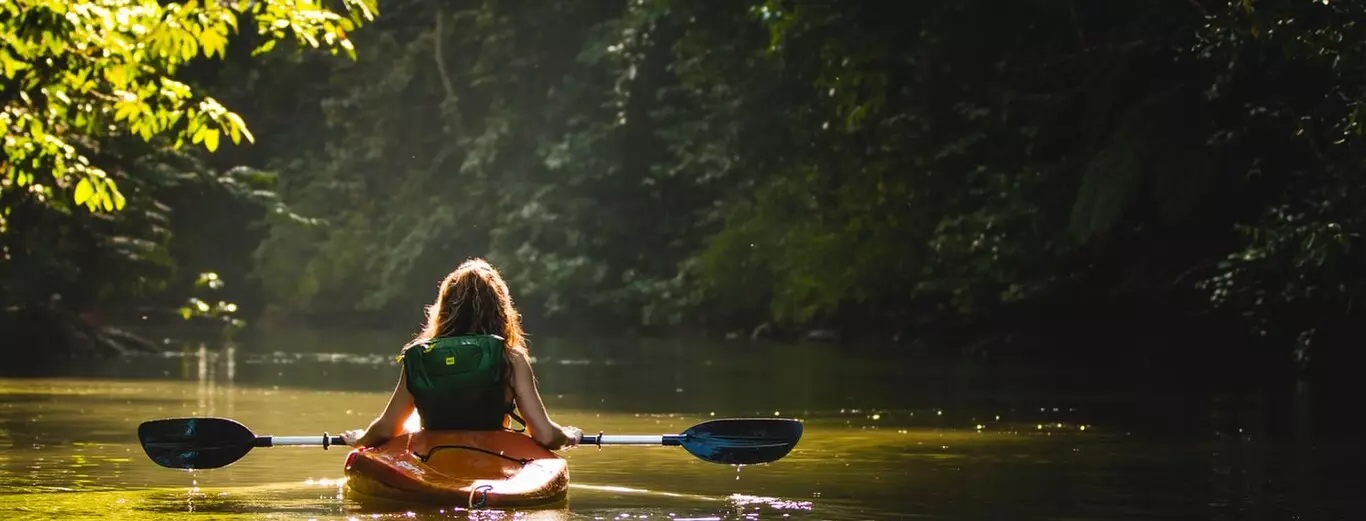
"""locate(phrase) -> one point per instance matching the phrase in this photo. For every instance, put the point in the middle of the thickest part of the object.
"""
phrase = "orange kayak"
(472, 469)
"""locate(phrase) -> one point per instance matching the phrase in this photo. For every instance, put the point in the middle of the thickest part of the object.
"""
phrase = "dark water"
(887, 437)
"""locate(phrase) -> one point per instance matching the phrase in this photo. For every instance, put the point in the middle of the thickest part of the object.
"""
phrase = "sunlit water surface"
(884, 439)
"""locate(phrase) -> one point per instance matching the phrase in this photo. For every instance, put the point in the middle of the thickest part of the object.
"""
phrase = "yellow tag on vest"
(450, 360)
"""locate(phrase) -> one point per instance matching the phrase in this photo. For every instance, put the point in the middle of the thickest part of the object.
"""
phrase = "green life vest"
(457, 382)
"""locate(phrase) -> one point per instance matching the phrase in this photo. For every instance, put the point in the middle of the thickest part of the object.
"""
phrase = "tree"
(96, 115)
(80, 71)
(951, 167)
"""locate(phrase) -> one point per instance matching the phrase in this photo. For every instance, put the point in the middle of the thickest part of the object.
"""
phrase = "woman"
(468, 369)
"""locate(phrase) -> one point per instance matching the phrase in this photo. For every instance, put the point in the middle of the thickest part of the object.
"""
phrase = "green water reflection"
(885, 439)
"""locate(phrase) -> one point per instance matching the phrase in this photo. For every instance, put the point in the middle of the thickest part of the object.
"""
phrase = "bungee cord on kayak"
(432, 451)
(483, 491)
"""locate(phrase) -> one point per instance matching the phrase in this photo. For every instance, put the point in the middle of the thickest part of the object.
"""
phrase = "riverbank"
(1193, 360)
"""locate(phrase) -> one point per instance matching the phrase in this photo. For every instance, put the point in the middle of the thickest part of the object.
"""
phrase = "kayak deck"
(473, 469)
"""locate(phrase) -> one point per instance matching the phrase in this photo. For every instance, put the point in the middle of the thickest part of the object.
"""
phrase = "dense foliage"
(873, 167)
(96, 109)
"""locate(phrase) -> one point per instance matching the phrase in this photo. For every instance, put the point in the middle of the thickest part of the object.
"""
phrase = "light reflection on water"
(326, 501)
(878, 444)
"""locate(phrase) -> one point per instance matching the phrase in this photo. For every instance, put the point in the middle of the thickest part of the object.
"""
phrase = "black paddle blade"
(195, 443)
(742, 441)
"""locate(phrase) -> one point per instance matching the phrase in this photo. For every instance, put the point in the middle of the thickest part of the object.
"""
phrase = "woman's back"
(460, 382)
(468, 368)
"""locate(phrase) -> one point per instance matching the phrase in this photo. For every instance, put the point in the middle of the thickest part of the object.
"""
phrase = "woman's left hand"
(353, 437)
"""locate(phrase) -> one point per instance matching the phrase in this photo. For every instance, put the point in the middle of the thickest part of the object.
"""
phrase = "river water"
(886, 437)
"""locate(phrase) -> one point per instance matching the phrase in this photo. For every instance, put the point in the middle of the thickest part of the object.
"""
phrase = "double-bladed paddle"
(734, 441)
(209, 443)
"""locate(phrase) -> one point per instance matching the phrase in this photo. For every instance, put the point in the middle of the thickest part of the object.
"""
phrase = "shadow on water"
(888, 437)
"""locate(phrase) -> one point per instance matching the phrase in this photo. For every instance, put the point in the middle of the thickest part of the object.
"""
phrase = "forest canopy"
(98, 108)
(879, 168)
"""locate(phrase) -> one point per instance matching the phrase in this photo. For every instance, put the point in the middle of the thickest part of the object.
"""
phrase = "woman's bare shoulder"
(518, 356)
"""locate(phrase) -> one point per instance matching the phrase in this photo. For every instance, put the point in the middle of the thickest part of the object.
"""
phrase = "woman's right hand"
(573, 435)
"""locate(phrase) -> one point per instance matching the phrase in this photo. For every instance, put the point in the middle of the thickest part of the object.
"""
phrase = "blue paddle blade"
(195, 443)
(742, 441)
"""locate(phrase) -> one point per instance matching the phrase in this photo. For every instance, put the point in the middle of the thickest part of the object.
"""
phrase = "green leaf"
(84, 190)
(187, 49)
(124, 111)
(211, 139)
(214, 43)
(119, 200)
(264, 48)
(237, 123)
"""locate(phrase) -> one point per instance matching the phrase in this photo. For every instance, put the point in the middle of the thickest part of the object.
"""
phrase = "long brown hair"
(473, 300)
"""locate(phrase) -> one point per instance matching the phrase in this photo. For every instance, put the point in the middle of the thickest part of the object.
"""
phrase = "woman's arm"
(389, 423)
(528, 399)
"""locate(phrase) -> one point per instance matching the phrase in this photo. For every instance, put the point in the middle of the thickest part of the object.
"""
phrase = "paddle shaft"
(282, 441)
(667, 440)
